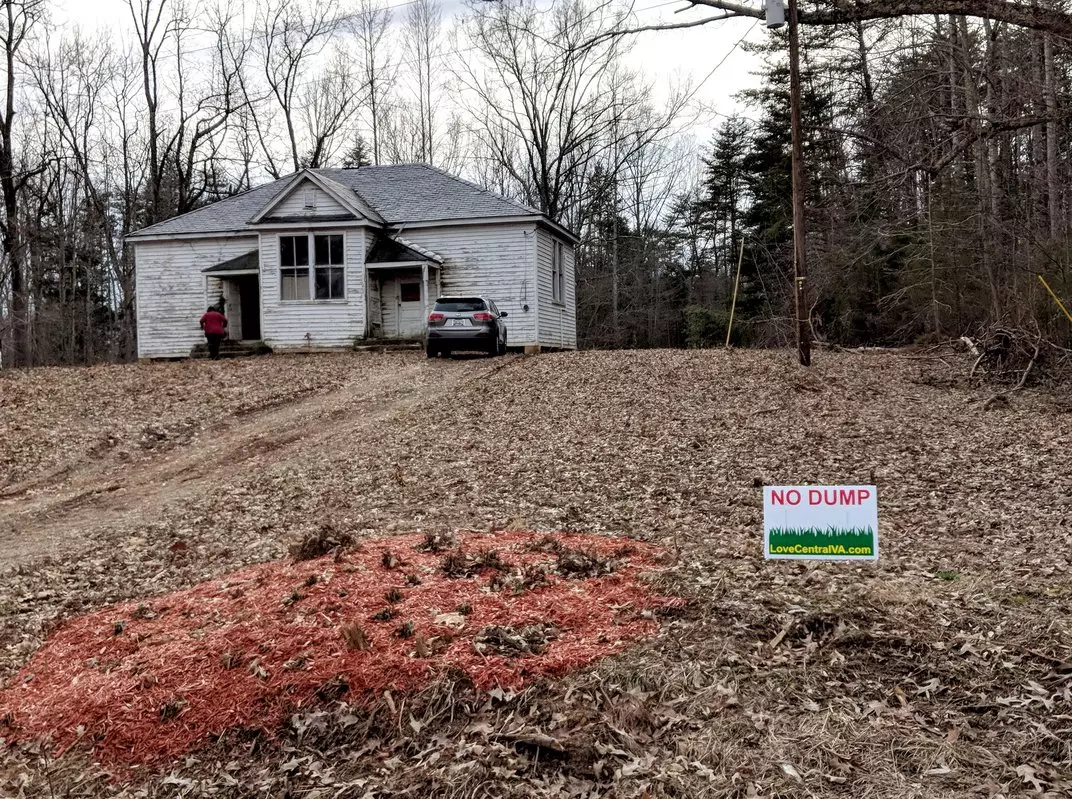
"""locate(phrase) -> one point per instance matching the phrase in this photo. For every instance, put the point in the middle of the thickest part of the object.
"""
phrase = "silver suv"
(465, 323)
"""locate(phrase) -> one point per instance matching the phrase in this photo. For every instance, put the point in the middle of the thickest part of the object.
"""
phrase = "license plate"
(460, 323)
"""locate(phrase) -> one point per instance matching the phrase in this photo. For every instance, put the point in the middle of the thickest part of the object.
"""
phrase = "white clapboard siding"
(313, 323)
(294, 204)
(171, 290)
(495, 261)
(558, 320)
(213, 289)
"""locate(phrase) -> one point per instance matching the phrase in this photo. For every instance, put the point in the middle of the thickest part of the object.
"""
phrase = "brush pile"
(1010, 356)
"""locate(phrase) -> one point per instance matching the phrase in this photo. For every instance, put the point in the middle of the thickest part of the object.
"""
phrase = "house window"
(330, 282)
(558, 272)
(322, 279)
(294, 267)
(410, 292)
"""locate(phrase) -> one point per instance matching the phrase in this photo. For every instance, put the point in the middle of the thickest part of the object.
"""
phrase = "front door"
(410, 309)
(249, 298)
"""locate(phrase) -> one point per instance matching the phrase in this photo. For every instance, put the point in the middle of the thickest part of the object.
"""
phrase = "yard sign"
(820, 522)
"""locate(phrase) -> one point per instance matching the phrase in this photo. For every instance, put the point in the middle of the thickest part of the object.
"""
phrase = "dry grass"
(944, 670)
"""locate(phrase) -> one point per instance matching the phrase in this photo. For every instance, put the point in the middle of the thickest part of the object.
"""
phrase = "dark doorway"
(249, 297)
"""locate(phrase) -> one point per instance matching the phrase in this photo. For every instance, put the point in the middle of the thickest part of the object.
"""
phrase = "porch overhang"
(247, 264)
(396, 251)
(388, 265)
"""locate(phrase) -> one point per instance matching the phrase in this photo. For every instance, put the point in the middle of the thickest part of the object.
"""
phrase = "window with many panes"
(558, 272)
(311, 266)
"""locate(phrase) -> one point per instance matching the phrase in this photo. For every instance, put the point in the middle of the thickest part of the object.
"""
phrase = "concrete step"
(233, 349)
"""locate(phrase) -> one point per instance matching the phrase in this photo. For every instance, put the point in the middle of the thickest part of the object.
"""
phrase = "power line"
(725, 58)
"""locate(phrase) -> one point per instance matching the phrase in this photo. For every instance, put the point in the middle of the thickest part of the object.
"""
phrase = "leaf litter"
(885, 680)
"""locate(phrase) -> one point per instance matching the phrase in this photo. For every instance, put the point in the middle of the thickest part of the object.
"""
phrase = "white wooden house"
(327, 257)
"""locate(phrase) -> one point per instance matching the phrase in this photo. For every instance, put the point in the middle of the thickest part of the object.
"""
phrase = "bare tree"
(1021, 13)
(19, 20)
(369, 24)
(126, 173)
(400, 132)
(73, 78)
(423, 24)
(292, 34)
(330, 102)
(554, 99)
(187, 117)
(152, 28)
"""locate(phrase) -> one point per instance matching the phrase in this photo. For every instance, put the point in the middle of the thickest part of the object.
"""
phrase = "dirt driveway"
(63, 510)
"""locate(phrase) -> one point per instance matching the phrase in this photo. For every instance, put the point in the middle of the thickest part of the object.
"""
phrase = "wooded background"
(937, 155)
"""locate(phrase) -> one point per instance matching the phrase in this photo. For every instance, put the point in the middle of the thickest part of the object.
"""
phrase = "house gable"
(314, 198)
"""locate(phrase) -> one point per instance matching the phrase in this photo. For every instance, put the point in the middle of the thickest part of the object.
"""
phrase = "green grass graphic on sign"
(841, 541)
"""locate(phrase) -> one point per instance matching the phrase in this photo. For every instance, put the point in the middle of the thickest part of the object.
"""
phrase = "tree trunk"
(12, 245)
(1052, 183)
(982, 168)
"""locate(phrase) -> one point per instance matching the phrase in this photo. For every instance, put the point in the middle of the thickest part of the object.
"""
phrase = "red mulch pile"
(144, 682)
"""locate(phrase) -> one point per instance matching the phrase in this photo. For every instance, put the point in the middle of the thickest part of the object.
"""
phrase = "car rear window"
(460, 305)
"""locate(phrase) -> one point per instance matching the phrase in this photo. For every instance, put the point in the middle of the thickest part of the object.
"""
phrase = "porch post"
(424, 292)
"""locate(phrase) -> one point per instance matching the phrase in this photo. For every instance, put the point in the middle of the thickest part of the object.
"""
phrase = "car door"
(500, 325)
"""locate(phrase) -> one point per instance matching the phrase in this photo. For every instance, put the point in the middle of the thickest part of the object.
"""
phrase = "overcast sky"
(710, 54)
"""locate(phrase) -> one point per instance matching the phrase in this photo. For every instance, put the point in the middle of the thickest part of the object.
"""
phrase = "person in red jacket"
(214, 323)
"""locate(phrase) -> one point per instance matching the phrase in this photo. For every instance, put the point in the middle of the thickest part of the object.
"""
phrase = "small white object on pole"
(775, 13)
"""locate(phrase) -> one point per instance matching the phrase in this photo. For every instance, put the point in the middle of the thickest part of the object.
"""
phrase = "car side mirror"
(504, 314)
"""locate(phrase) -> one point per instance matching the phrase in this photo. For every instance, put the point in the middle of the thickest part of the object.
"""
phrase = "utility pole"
(800, 261)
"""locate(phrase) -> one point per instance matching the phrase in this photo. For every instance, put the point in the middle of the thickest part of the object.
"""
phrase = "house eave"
(376, 265)
(230, 272)
(252, 232)
(301, 219)
(219, 234)
(312, 222)
(539, 219)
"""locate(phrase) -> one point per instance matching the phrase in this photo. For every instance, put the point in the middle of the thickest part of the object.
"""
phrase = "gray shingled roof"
(401, 194)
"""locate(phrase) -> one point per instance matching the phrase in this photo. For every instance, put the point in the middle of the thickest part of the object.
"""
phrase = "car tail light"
(482, 316)
(436, 317)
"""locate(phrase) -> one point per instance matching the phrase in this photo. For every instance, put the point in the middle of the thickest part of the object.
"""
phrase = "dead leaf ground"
(942, 671)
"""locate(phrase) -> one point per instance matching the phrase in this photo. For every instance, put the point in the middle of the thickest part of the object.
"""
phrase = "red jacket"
(214, 323)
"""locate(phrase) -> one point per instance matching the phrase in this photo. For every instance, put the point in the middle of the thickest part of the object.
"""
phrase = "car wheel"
(430, 351)
(502, 345)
